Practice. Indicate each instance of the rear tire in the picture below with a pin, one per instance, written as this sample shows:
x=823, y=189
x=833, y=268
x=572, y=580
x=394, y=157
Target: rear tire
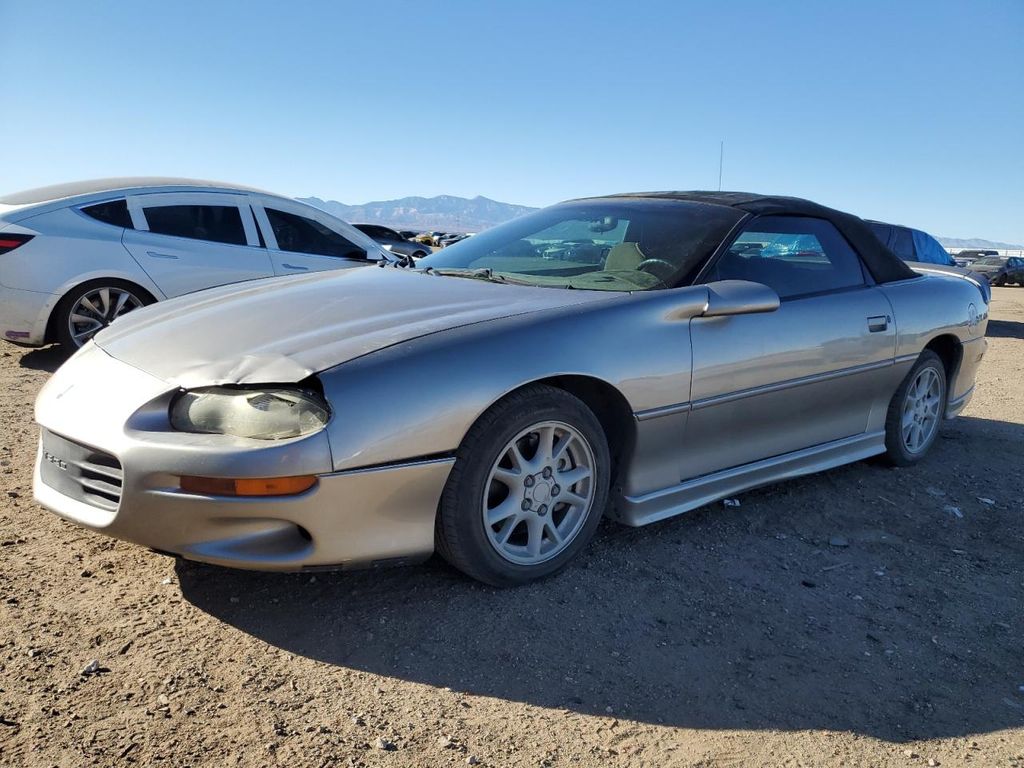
x=528, y=489
x=916, y=412
x=92, y=306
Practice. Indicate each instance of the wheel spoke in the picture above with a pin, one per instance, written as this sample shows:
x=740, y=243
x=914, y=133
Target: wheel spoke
x=518, y=460
x=508, y=508
x=86, y=302
x=506, y=530
x=122, y=299
x=93, y=322
x=553, y=533
x=569, y=477
x=572, y=498
x=545, y=445
x=560, y=446
x=513, y=478
x=534, y=535
x=105, y=301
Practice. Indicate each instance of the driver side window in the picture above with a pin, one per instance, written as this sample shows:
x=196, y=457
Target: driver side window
x=794, y=255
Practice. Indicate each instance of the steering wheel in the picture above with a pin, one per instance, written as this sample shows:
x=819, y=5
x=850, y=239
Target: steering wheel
x=660, y=268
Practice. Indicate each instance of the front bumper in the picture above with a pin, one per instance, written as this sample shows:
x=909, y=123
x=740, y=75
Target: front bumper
x=348, y=519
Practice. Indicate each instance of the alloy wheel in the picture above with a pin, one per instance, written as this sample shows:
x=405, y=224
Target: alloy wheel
x=921, y=410
x=97, y=309
x=539, y=493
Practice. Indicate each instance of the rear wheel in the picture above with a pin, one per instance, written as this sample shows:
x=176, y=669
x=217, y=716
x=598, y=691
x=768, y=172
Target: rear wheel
x=94, y=305
x=528, y=488
x=916, y=411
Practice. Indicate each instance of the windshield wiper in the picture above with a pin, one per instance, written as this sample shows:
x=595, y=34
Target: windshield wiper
x=488, y=274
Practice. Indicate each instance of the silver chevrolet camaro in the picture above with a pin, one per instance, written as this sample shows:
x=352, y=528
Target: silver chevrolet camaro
x=634, y=356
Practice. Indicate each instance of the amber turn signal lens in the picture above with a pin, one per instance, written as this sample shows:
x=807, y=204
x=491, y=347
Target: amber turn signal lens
x=246, y=486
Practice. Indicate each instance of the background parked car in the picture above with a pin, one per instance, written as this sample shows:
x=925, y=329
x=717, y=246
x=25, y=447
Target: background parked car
x=1001, y=270
x=967, y=257
x=391, y=237
x=77, y=256
x=912, y=245
x=925, y=254
x=452, y=238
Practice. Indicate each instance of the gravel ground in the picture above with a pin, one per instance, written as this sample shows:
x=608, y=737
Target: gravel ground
x=862, y=617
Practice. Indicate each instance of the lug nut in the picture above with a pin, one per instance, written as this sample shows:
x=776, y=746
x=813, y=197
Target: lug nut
x=526, y=505
x=543, y=510
x=529, y=481
x=555, y=490
x=547, y=471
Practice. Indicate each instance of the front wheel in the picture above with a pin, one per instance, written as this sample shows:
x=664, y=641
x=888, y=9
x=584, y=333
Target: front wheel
x=915, y=412
x=528, y=488
x=92, y=306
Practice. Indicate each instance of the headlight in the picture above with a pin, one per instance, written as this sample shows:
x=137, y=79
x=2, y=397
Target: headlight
x=264, y=414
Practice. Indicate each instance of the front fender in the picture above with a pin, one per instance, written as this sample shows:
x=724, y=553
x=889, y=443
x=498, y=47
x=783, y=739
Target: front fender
x=419, y=398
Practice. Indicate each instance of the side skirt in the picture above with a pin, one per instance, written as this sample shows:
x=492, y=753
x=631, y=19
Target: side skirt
x=668, y=502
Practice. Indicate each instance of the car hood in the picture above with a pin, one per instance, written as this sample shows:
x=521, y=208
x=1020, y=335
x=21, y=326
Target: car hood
x=283, y=330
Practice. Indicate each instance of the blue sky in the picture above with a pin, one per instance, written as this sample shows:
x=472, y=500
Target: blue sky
x=906, y=111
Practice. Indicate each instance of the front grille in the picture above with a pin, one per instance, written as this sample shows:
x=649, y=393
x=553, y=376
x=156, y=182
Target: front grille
x=81, y=472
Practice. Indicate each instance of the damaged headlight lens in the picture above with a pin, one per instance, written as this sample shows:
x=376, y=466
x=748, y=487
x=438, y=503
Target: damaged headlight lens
x=269, y=413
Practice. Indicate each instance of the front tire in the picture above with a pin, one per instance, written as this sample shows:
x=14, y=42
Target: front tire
x=92, y=306
x=916, y=411
x=528, y=489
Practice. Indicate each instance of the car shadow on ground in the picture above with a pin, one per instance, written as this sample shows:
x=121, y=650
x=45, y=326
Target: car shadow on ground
x=1005, y=329
x=45, y=359
x=866, y=599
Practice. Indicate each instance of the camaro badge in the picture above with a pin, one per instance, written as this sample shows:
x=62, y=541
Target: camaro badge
x=56, y=461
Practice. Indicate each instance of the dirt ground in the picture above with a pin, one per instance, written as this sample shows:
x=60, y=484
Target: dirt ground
x=862, y=617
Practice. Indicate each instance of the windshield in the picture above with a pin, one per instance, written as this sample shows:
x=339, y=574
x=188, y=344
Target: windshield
x=602, y=244
x=990, y=261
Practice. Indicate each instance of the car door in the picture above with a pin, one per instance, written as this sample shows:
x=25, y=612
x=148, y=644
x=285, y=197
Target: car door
x=186, y=241
x=1016, y=270
x=302, y=239
x=815, y=371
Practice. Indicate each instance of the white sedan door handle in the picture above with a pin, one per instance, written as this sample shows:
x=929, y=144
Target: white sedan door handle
x=157, y=255
x=293, y=266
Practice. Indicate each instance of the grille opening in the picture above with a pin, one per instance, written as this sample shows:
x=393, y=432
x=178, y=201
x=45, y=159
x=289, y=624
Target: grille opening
x=93, y=477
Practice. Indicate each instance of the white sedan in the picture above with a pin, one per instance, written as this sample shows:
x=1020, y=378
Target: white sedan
x=74, y=257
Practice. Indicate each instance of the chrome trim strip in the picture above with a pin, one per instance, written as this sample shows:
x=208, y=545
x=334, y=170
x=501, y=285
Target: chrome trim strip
x=730, y=397
x=906, y=358
x=665, y=410
x=707, y=402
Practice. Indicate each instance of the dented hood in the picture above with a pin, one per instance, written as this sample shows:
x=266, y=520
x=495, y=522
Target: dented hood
x=283, y=330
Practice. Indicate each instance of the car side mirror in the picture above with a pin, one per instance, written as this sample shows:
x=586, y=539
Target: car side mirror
x=739, y=297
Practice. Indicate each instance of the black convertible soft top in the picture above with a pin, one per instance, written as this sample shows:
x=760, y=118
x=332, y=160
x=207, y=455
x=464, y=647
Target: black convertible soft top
x=884, y=265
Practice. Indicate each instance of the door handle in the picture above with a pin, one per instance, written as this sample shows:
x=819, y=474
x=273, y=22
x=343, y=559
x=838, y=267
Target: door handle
x=293, y=266
x=878, y=323
x=157, y=255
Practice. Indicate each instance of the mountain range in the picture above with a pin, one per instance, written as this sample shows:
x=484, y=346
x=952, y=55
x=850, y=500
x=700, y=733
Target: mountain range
x=448, y=213
x=445, y=213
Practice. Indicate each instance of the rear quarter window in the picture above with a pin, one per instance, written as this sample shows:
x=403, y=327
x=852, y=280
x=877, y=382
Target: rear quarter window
x=113, y=212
